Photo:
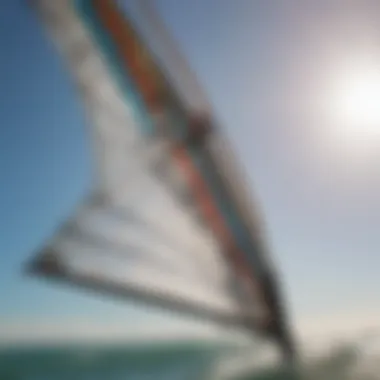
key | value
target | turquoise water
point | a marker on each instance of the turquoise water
(158, 361)
(188, 361)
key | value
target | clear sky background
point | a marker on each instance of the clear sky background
(268, 68)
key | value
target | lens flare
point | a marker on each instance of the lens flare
(355, 103)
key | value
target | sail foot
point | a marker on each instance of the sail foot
(47, 264)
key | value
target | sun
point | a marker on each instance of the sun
(354, 104)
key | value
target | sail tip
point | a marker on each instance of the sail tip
(45, 264)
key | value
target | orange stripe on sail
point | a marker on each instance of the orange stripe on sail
(133, 53)
(209, 209)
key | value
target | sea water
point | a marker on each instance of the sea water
(186, 360)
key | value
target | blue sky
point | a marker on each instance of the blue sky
(265, 70)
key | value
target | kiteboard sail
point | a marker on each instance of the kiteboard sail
(168, 220)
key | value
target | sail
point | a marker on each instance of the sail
(169, 220)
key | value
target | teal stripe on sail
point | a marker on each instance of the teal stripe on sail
(119, 72)
(122, 75)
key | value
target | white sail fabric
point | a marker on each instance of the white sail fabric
(132, 230)
(195, 100)
(113, 245)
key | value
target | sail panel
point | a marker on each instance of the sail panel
(168, 220)
(218, 148)
(153, 162)
(89, 246)
(124, 50)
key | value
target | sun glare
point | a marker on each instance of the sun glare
(355, 103)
